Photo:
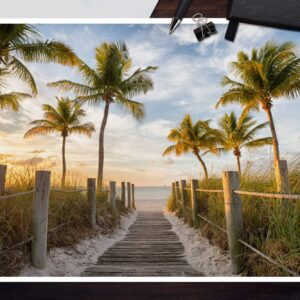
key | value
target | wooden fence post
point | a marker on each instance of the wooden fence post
(174, 190)
(123, 194)
(177, 192)
(40, 219)
(234, 218)
(282, 178)
(112, 195)
(91, 185)
(195, 199)
(133, 197)
(128, 194)
(183, 193)
(3, 170)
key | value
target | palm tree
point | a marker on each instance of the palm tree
(197, 138)
(269, 73)
(65, 119)
(237, 134)
(110, 83)
(10, 100)
(21, 42)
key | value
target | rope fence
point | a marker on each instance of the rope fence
(270, 259)
(210, 191)
(28, 240)
(233, 211)
(268, 195)
(7, 197)
(46, 204)
(69, 191)
(17, 245)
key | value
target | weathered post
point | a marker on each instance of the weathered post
(3, 170)
(40, 219)
(234, 218)
(195, 200)
(282, 178)
(91, 185)
(129, 195)
(183, 194)
(133, 197)
(174, 190)
(123, 194)
(177, 193)
(112, 195)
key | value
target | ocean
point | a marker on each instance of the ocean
(152, 192)
(151, 197)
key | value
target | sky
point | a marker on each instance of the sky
(187, 82)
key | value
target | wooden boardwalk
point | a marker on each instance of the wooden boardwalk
(150, 248)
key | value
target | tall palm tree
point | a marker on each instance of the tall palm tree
(265, 75)
(10, 100)
(22, 42)
(237, 134)
(110, 83)
(197, 138)
(65, 119)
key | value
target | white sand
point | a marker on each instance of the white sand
(72, 261)
(200, 254)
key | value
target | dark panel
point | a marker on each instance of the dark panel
(267, 11)
(274, 13)
(147, 291)
(209, 8)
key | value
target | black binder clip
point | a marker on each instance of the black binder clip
(204, 29)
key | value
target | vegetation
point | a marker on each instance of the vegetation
(266, 226)
(235, 134)
(267, 74)
(109, 83)
(68, 215)
(21, 42)
(65, 119)
(10, 101)
(197, 138)
(259, 78)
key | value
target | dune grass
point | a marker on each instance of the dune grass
(68, 214)
(267, 226)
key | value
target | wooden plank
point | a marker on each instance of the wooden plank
(150, 248)
(210, 9)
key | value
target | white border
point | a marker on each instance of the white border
(101, 20)
(150, 279)
(128, 279)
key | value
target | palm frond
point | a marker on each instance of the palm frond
(39, 130)
(259, 143)
(21, 71)
(69, 86)
(243, 96)
(136, 109)
(138, 82)
(48, 51)
(84, 129)
(170, 150)
(12, 100)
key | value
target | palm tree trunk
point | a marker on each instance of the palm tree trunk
(101, 146)
(64, 164)
(239, 165)
(202, 164)
(274, 135)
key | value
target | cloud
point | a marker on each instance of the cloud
(187, 81)
(38, 151)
